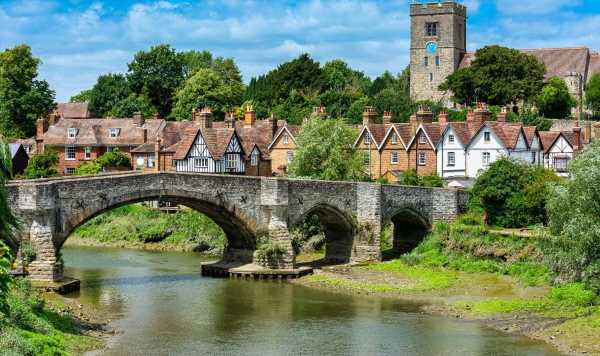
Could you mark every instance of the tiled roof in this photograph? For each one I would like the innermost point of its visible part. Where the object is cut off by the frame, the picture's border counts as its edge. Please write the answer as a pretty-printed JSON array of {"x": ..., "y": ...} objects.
[
  {"x": 378, "y": 132},
  {"x": 434, "y": 132},
  {"x": 216, "y": 139},
  {"x": 548, "y": 138},
  {"x": 95, "y": 132},
  {"x": 529, "y": 134},
  {"x": 507, "y": 133},
  {"x": 260, "y": 135},
  {"x": 594, "y": 64},
  {"x": 73, "y": 110},
  {"x": 462, "y": 132},
  {"x": 559, "y": 61}
]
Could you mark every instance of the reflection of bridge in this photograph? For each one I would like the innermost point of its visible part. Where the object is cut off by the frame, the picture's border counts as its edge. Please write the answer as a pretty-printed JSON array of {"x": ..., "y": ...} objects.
[{"x": 248, "y": 209}]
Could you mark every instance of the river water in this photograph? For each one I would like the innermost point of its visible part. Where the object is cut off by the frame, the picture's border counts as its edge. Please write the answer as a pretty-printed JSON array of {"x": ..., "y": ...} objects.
[{"x": 162, "y": 306}]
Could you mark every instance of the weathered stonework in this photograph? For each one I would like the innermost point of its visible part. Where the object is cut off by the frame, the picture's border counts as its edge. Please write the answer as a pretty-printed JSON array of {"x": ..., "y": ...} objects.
[{"x": 248, "y": 209}]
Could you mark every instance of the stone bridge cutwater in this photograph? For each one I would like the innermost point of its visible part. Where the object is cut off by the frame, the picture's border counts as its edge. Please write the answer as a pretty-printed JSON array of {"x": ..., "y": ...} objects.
[{"x": 250, "y": 210}]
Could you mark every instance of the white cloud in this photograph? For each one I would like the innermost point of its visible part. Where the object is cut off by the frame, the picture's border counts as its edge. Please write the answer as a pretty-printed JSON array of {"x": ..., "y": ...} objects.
[{"x": 537, "y": 7}]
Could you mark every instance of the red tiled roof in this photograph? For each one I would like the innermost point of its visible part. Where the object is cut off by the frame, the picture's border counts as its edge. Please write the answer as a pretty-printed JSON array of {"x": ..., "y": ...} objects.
[
  {"x": 260, "y": 135},
  {"x": 434, "y": 132},
  {"x": 216, "y": 139},
  {"x": 548, "y": 138},
  {"x": 378, "y": 132},
  {"x": 529, "y": 134},
  {"x": 594, "y": 64},
  {"x": 462, "y": 132},
  {"x": 405, "y": 132},
  {"x": 73, "y": 110},
  {"x": 506, "y": 132}
]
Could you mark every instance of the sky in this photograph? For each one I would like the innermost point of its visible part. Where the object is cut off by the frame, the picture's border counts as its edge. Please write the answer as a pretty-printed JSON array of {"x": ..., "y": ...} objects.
[{"x": 77, "y": 40}]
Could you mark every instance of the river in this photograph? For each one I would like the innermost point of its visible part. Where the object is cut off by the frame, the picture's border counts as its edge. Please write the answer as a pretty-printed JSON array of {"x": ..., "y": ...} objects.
[{"x": 162, "y": 306}]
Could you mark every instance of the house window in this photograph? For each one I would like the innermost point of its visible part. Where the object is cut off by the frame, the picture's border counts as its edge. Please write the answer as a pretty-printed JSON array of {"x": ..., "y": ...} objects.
[
  {"x": 72, "y": 132},
  {"x": 201, "y": 162},
  {"x": 422, "y": 139},
  {"x": 286, "y": 138},
  {"x": 394, "y": 139},
  {"x": 231, "y": 161},
  {"x": 560, "y": 164},
  {"x": 69, "y": 171},
  {"x": 437, "y": 61},
  {"x": 487, "y": 137},
  {"x": 151, "y": 160},
  {"x": 70, "y": 153},
  {"x": 87, "y": 152},
  {"x": 451, "y": 159},
  {"x": 114, "y": 132},
  {"x": 290, "y": 156},
  {"x": 422, "y": 159},
  {"x": 394, "y": 157},
  {"x": 431, "y": 77},
  {"x": 485, "y": 158},
  {"x": 451, "y": 138},
  {"x": 367, "y": 138},
  {"x": 254, "y": 159},
  {"x": 431, "y": 28},
  {"x": 426, "y": 61}
]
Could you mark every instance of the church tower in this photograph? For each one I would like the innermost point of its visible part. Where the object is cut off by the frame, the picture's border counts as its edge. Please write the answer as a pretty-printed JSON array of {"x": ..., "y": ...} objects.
[{"x": 438, "y": 43}]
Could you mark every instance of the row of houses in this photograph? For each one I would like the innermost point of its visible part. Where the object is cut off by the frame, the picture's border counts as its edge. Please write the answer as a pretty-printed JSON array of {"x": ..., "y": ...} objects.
[{"x": 456, "y": 151}]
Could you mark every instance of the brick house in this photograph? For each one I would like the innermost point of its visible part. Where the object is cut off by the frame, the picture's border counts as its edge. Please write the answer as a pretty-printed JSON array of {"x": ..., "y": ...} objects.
[
  {"x": 282, "y": 148},
  {"x": 369, "y": 141}
]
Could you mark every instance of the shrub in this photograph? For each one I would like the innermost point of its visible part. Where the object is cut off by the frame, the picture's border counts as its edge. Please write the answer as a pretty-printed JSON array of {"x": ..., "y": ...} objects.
[
  {"x": 42, "y": 165},
  {"x": 5, "y": 279},
  {"x": 410, "y": 177},
  {"x": 114, "y": 159},
  {"x": 88, "y": 168}
]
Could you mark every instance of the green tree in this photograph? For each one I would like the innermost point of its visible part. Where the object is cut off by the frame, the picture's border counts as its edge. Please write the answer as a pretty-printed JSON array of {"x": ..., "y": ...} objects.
[
  {"x": 573, "y": 247},
  {"x": 157, "y": 74},
  {"x": 205, "y": 88},
  {"x": 8, "y": 222},
  {"x": 337, "y": 160},
  {"x": 498, "y": 76},
  {"x": 194, "y": 60},
  {"x": 592, "y": 94},
  {"x": 23, "y": 98},
  {"x": 536, "y": 193},
  {"x": 410, "y": 177},
  {"x": 109, "y": 91},
  {"x": 113, "y": 159},
  {"x": 555, "y": 101},
  {"x": 82, "y": 97},
  {"x": 133, "y": 103},
  {"x": 42, "y": 165},
  {"x": 354, "y": 113}
]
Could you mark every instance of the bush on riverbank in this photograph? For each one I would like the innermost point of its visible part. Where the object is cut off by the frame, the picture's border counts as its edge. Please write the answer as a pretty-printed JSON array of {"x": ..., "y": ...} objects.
[{"x": 137, "y": 223}]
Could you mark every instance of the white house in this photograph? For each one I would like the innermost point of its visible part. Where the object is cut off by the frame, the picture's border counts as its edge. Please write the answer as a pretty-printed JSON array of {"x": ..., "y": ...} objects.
[
  {"x": 210, "y": 150},
  {"x": 451, "y": 151},
  {"x": 559, "y": 148}
]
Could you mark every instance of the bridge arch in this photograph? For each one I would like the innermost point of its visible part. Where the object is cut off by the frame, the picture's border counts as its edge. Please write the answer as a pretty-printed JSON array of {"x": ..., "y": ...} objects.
[
  {"x": 338, "y": 229},
  {"x": 409, "y": 228},
  {"x": 240, "y": 228}
]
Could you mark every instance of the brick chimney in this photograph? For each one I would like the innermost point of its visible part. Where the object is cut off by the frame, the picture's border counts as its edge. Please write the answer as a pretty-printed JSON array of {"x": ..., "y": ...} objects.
[
  {"x": 502, "y": 115},
  {"x": 157, "y": 145},
  {"x": 273, "y": 121},
  {"x": 203, "y": 117},
  {"x": 369, "y": 115},
  {"x": 249, "y": 116},
  {"x": 443, "y": 118},
  {"x": 387, "y": 117},
  {"x": 413, "y": 123},
  {"x": 139, "y": 119},
  {"x": 230, "y": 120},
  {"x": 41, "y": 126},
  {"x": 424, "y": 115},
  {"x": 577, "y": 134}
]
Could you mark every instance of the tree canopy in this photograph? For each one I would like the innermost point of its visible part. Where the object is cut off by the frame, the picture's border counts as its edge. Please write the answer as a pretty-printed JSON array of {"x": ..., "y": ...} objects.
[
  {"x": 23, "y": 98},
  {"x": 592, "y": 94},
  {"x": 42, "y": 165},
  {"x": 555, "y": 101},
  {"x": 497, "y": 76},
  {"x": 337, "y": 160}
]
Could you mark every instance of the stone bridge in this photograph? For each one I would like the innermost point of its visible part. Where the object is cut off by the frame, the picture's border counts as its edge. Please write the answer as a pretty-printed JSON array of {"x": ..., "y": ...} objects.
[{"x": 250, "y": 210}]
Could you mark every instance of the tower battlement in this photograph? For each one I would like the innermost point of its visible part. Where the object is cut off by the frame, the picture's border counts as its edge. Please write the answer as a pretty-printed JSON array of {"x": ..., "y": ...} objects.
[{"x": 437, "y": 8}]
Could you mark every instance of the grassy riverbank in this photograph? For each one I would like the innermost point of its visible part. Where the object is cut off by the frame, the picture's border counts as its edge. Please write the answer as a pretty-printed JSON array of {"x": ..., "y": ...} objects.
[
  {"x": 466, "y": 271},
  {"x": 36, "y": 325},
  {"x": 139, "y": 226}
]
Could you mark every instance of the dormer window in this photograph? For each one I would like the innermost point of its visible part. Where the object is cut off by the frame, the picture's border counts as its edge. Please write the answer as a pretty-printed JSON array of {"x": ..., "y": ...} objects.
[
  {"x": 487, "y": 137},
  {"x": 422, "y": 139},
  {"x": 72, "y": 132},
  {"x": 394, "y": 139},
  {"x": 367, "y": 138},
  {"x": 114, "y": 132},
  {"x": 286, "y": 138}
]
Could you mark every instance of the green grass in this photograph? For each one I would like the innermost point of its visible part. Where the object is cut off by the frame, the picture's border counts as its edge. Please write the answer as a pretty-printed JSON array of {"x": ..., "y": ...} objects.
[
  {"x": 426, "y": 278},
  {"x": 137, "y": 223}
]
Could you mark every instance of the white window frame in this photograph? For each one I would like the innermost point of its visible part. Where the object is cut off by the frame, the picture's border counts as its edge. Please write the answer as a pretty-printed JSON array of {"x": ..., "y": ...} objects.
[
  {"x": 487, "y": 136},
  {"x": 450, "y": 138},
  {"x": 72, "y": 132},
  {"x": 254, "y": 159},
  {"x": 290, "y": 156},
  {"x": 394, "y": 138},
  {"x": 367, "y": 138},
  {"x": 451, "y": 159},
  {"x": 230, "y": 161},
  {"x": 422, "y": 158},
  {"x": 486, "y": 158},
  {"x": 151, "y": 161},
  {"x": 394, "y": 157},
  {"x": 69, "y": 171},
  {"x": 87, "y": 152},
  {"x": 422, "y": 138},
  {"x": 286, "y": 139},
  {"x": 201, "y": 162},
  {"x": 114, "y": 132},
  {"x": 68, "y": 150}
]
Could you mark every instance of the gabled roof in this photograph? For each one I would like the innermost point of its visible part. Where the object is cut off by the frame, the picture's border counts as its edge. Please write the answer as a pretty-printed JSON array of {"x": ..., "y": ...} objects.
[
  {"x": 73, "y": 110},
  {"x": 376, "y": 131},
  {"x": 549, "y": 138},
  {"x": 260, "y": 135},
  {"x": 15, "y": 148},
  {"x": 403, "y": 131},
  {"x": 216, "y": 140},
  {"x": 432, "y": 132},
  {"x": 507, "y": 133},
  {"x": 530, "y": 133},
  {"x": 461, "y": 132},
  {"x": 292, "y": 130}
]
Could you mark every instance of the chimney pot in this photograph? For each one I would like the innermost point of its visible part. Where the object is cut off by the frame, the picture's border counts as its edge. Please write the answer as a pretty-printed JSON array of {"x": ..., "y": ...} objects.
[
  {"x": 138, "y": 118},
  {"x": 387, "y": 117},
  {"x": 249, "y": 116},
  {"x": 369, "y": 115},
  {"x": 443, "y": 118},
  {"x": 203, "y": 117},
  {"x": 577, "y": 133}
]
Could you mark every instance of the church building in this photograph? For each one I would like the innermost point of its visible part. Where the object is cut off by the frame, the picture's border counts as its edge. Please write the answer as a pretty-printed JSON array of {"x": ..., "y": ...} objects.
[{"x": 439, "y": 47}]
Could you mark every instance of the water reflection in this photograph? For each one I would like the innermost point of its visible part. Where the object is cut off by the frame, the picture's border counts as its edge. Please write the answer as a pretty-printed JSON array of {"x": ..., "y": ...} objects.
[{"x": 166, "y": 307}]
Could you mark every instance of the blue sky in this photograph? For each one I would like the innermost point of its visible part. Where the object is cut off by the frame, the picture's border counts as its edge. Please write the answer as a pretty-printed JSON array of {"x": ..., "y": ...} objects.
[{"x": 79, "y": 39}]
